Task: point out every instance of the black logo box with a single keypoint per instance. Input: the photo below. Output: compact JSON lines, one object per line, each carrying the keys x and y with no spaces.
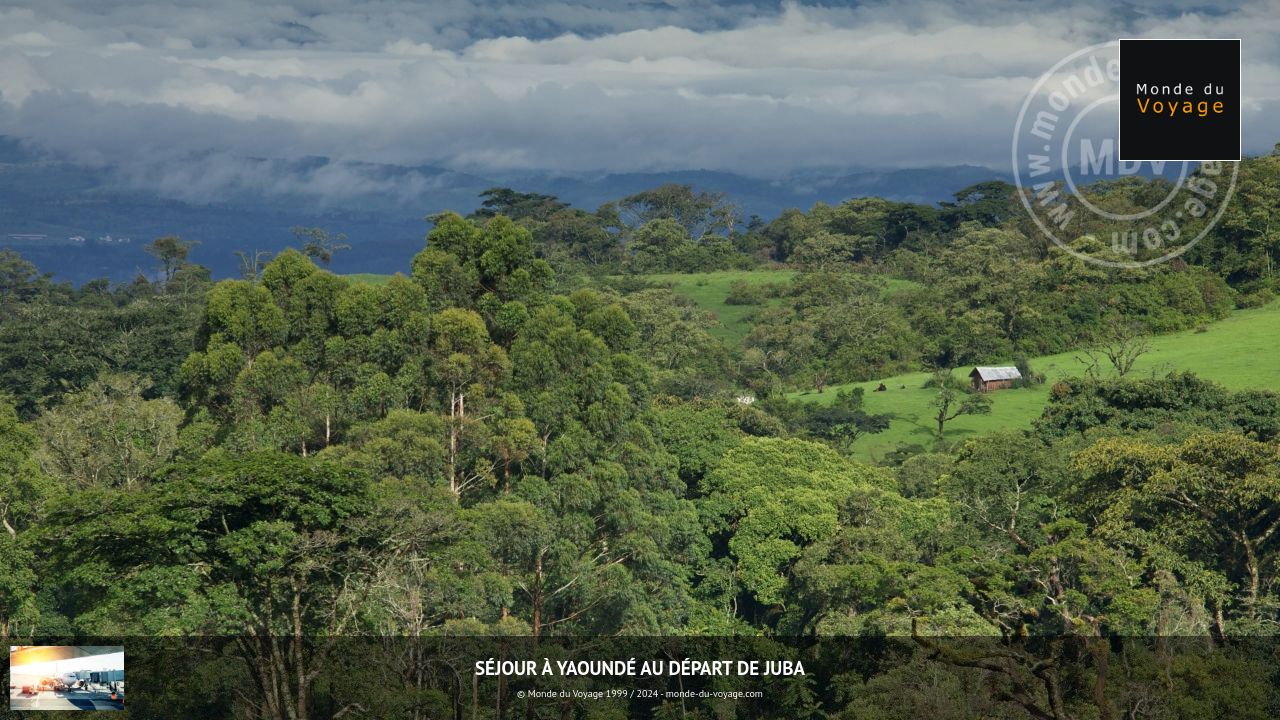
{"x":1180,"y":64}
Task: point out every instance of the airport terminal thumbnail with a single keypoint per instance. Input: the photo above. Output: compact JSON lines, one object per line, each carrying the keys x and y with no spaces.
{"x":66,"y":677}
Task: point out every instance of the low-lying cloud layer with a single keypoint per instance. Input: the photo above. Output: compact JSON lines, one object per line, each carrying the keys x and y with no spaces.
{"x":755,"y":88}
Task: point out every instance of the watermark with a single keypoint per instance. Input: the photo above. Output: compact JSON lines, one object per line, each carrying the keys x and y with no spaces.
{"x":1066,"y":139}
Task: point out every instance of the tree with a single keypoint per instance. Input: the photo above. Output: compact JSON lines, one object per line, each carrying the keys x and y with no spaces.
{"x":769,"y":498}
{"x":844,"y":421}
{"x":984,"y":295}
{"x":466,"y":363}
{"x":673,"y":335}
{"x":1122,"y":342}
{"x":18,"y":586}
{"x":171,"y":251}
{"x":579,"y":235}
{"x":269,"y":548}
{"x":785,"y":233}
{"x":952,"y":402}
{"x":108,"y":435}
{"x":1006,"y":486}
{"x":244,"y":313}
{"x":318,"y":244}
{"x":1212,"y":502}
{"x":655,"y":244}
{"x":19,"y":279}
{"x":251,"y":263}
{"x":778,"y":347}
{"x":312,"y":411}
{"x":517,"y":205}
{"x":605,"y":540}
{"x":1038,"y":576}
{"x":432,"y":568}
{"x":824,"y":251}
{"x":987,"y":202}
{"x":698,"y":212}
{"x":879,"y":570}
{"x":465,"y":265}
{"x":23,"y":488}
{"x":406,"y":444}
{"x":1246,"y":243}
{"x":50,"y":345}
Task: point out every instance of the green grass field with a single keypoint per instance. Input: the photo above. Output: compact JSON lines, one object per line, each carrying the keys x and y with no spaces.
{"x":1238,"y":352}
{"x":709,"y":290}
{"x":369,"y":278}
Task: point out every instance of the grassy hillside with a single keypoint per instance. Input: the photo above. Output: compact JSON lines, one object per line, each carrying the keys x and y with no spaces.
{"x":1238,"y":352}
{"x":709,"y":290}
{"x":370,"y":278}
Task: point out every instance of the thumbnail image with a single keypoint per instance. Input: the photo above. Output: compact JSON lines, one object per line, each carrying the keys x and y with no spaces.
{"x":66,"y":677}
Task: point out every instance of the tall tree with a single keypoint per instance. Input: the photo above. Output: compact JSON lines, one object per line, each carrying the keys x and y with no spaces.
{"x":769,"y":498}
{"x":318,"y":244}
{"x":698,"y":212}
{"x":467,"y":364}
{"x":271,"y":549}
{"x":23,"y":488}
{"x":109,"y":435}
{"x":1212,"y":502}
{"x":517,"y":205}
{"x":171,"y":251}
{"x":246,"y":314}
{"x":19,"y":279}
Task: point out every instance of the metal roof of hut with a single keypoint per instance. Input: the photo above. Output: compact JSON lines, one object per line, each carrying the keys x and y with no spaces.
{"x":996,"y":373}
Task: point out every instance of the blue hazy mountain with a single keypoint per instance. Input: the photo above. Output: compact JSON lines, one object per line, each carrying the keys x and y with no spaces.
{"x":81,"y":221}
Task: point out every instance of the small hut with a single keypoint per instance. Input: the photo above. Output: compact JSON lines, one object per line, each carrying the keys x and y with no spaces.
{"x":986,"y":379}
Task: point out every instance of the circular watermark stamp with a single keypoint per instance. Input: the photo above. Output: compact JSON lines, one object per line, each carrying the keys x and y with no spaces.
{"x":1066,"y":140}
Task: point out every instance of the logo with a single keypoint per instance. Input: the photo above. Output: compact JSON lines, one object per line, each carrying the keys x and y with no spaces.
{"x":1180,"y":99}
{"x":1086,"y":200}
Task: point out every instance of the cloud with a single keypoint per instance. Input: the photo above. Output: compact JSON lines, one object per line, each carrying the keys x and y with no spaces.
{"x":756,"y":88}
{"x":20,"y":77}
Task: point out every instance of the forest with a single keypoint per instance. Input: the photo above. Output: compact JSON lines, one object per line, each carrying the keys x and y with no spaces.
{"x":531,"y":436}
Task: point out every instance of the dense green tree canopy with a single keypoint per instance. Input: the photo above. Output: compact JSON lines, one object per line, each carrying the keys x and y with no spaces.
{"x":527,"y":434}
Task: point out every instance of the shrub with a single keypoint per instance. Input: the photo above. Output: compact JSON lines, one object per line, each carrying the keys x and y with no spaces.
{"x":1255,"y":299}
{"x":1030,"y":378}
{"x":743,"y":293}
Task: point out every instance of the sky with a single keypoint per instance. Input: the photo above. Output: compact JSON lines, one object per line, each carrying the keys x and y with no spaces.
{"x":758,"y":88}
{"x":108,"y":661}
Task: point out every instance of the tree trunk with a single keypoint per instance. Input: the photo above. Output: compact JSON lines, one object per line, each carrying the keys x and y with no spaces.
{"x":1219,"y":633}
{"x":457,"y":416}
{"x":1100,"y":648}
{"x":1251,"y":567}
{"x":455,"y":403}
{"x":299,"y":663}
{"x":536,"y":596}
